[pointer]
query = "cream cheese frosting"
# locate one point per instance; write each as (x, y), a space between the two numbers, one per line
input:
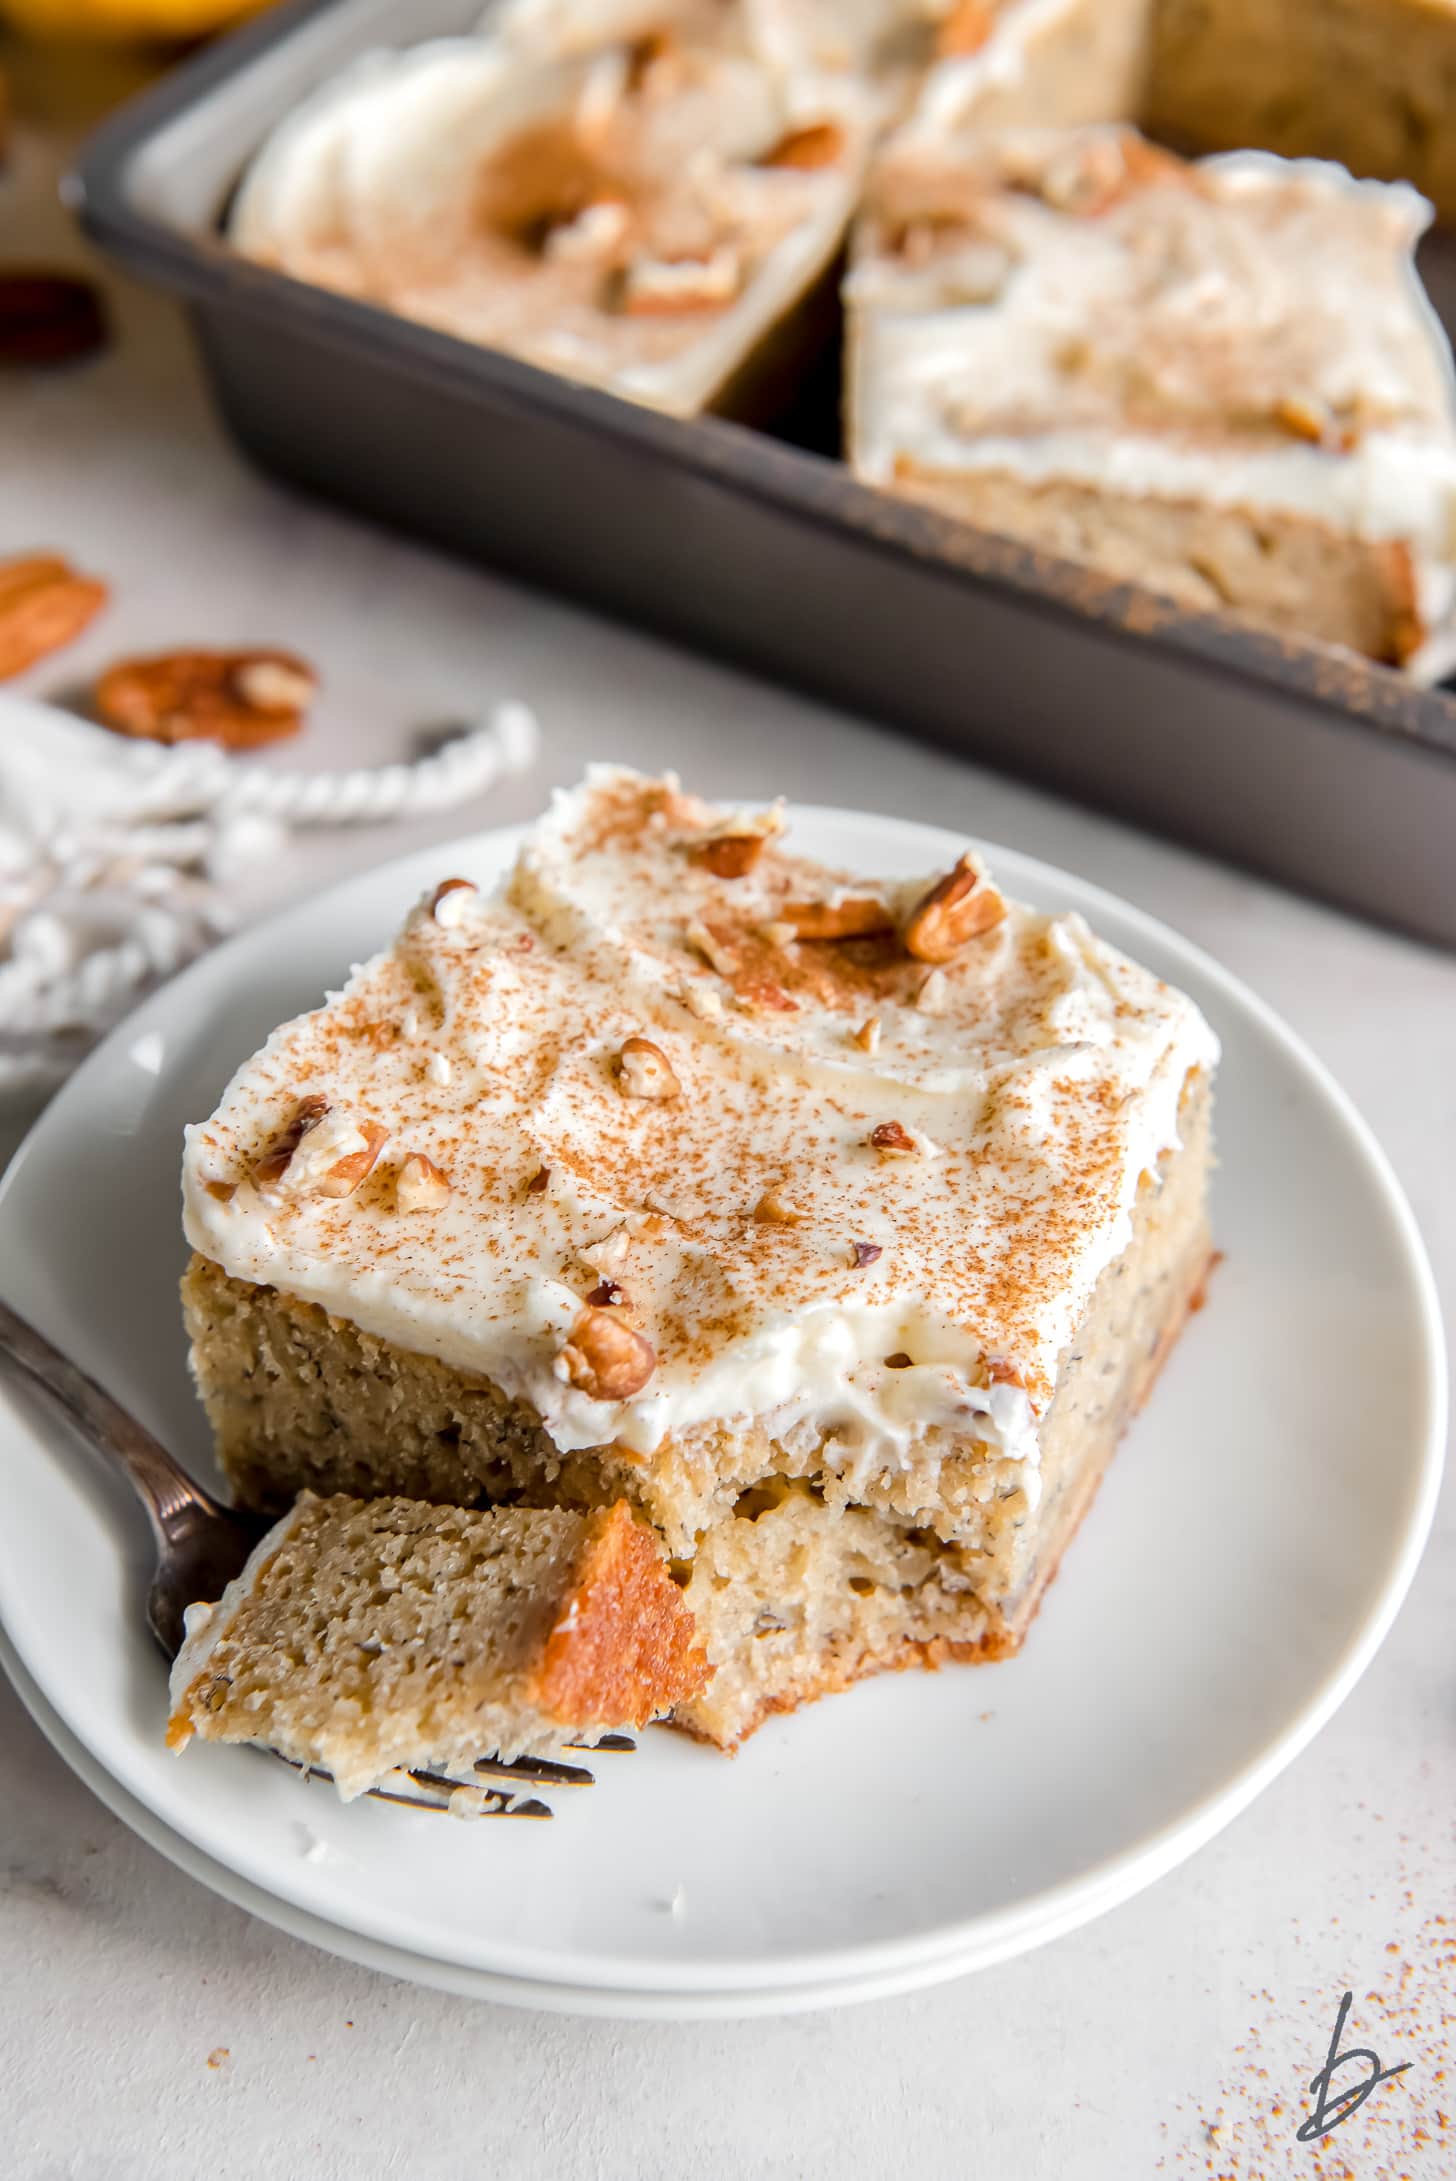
(1246, 332)
(853, 1192)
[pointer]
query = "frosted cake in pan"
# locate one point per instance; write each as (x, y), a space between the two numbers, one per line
(839, 1226)
(1220, 380)
(650, 205)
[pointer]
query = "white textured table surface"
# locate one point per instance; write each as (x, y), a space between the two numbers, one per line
(149, 2032)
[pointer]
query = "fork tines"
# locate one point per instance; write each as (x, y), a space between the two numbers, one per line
(436, 1791)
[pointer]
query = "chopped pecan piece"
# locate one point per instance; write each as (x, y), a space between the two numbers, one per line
(273, 1162)
(1094, 178)
(669, 287)
(644, 1071)
(817, 144)
(448, 901)
(344, 1176)
(239, 698)
(715, 952)
(934, 995)
(606, 1295)
(539, 1182)
(339, 1153)
(772, 1211)
(588, 235)
(957, 909)
(420, 1185)
(764, 995)
(894, 1138)
(605, 1358)
(857, 917)
(735, 847)
(1303, 418)
(43, 605)
(729, 855)
(865, 1253)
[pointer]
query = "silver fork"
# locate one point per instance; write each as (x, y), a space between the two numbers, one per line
(201, 1545)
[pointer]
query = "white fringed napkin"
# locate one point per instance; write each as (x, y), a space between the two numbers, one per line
(112, 851)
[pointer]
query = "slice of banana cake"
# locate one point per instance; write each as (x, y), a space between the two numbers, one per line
(836, 1222)
(370, 1636)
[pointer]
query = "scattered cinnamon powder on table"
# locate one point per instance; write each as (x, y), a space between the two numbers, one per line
(1403, 2009)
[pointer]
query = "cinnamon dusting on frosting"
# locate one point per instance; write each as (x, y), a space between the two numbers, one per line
(741, 1214)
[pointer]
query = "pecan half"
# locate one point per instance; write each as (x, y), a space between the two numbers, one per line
(957, 909)
(43, 605)
(817, 144)
(644, 1071)
(857, 917)
(238, 698)
(605, 1358)
(48, 317)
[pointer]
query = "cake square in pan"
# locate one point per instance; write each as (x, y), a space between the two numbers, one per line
(648, 199)
(1221, 380)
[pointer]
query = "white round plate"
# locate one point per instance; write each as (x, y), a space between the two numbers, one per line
(1244, 1558)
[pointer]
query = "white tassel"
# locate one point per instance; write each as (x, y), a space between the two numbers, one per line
(463, 768)
(98, 838)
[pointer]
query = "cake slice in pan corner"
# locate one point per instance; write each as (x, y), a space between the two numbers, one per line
(1221, 380)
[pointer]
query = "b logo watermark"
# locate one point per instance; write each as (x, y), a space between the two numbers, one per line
(1331, 2108)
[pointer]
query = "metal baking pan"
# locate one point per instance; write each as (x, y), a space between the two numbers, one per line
(1291, 758)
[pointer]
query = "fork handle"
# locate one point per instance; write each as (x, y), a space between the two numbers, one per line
(164, 1488)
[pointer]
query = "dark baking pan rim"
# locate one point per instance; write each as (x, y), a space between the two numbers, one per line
(1340, 690)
